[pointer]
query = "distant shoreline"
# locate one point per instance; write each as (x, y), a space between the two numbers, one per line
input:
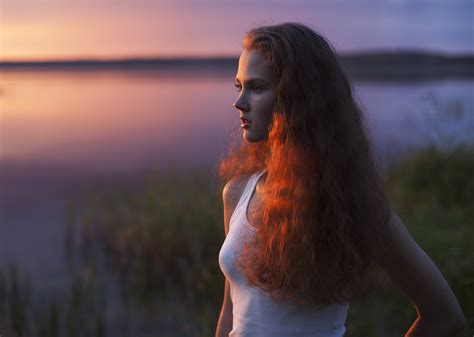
(383, 65)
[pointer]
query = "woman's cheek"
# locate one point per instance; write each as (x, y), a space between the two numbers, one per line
(269, 108)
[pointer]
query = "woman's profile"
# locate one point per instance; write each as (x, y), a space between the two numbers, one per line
(308, 227)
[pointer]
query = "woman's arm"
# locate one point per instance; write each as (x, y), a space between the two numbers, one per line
(224, 325)
(439, 313)
(230, 195)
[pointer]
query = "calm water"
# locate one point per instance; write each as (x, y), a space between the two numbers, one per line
(62, 130)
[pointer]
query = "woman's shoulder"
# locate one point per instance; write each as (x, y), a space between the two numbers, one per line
(233, 189)
(231, 194)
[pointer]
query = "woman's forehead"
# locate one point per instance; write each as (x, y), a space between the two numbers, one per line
(252, 64)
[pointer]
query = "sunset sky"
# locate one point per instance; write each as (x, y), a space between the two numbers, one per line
(66, 29)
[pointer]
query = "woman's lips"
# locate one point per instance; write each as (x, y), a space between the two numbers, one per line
(245, 123)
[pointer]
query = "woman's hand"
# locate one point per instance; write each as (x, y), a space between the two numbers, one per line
(423, 327)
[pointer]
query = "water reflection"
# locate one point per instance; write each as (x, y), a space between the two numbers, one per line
(112, 122)
(106, 122)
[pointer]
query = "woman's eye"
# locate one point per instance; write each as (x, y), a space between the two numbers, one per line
(257, 88)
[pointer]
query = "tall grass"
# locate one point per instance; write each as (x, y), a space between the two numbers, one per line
(159, 242)
(143, 258)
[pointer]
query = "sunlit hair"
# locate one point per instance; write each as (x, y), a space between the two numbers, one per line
(324, 210)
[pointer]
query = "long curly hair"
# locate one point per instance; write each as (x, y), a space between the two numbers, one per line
(323, 229)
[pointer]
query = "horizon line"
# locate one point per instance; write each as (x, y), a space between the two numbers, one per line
(135, 58)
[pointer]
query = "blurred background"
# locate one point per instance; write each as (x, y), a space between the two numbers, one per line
(114, 116)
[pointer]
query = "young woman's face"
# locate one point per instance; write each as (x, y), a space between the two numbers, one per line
(256, 84)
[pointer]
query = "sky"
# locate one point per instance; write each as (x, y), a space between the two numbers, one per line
(103, 29)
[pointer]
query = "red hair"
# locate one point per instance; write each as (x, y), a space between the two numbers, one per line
(324, 210)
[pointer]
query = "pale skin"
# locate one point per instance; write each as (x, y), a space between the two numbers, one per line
(408, 266)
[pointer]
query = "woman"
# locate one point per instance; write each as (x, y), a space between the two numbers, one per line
(307, 225)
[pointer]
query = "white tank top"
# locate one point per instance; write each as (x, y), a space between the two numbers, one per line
(254, 312)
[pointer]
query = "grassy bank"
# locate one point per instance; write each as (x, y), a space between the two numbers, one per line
(154, 247)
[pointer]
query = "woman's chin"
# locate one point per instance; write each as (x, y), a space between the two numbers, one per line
(247, 136)
(250, 137)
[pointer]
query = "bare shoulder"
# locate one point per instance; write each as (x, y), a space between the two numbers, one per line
(231, 194)
(405, 261)
(402, 243)
(233, 190)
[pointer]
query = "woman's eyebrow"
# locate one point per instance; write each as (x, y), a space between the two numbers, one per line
(253, 80)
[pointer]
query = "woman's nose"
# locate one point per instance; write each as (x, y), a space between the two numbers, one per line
(241, 104)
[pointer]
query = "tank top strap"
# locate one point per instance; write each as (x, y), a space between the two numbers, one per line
(250, 188)
(248, 191)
